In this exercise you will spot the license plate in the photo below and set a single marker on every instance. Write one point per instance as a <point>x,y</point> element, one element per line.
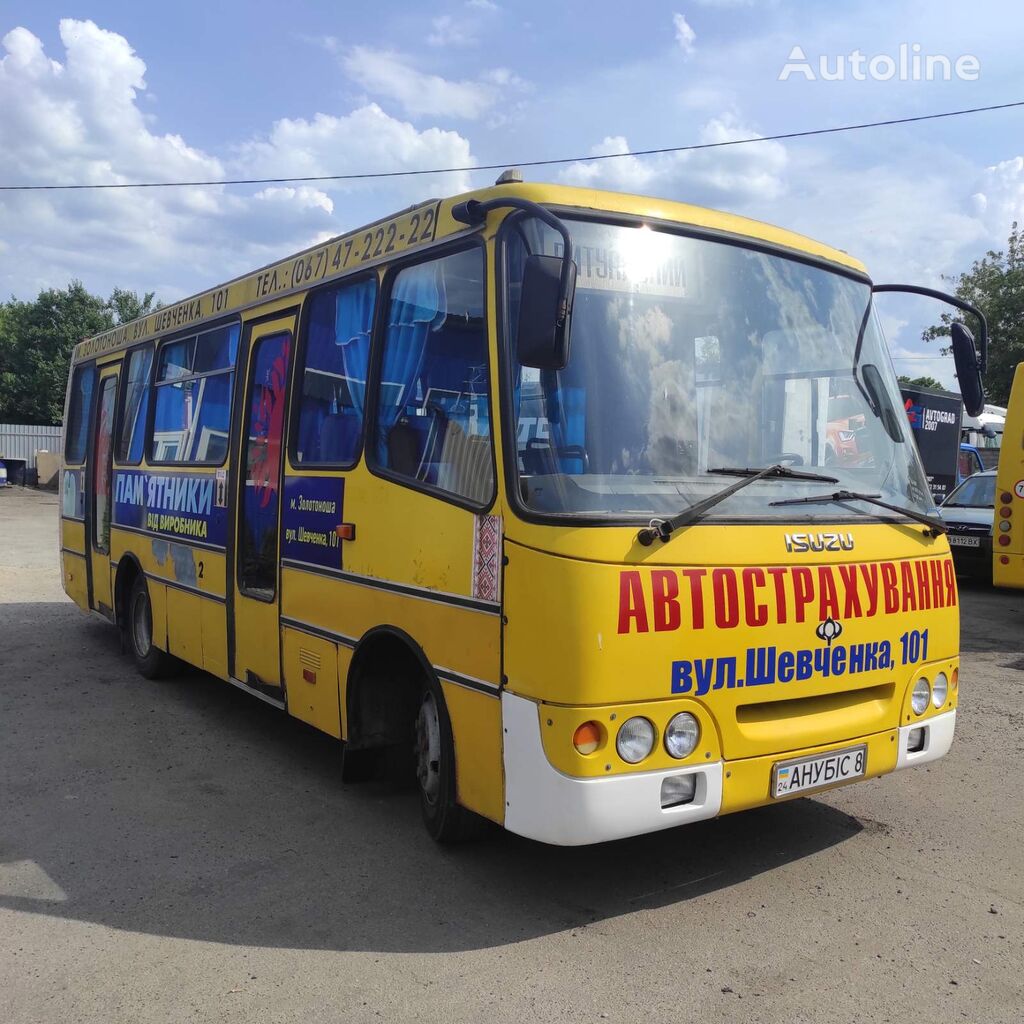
<point>818,771</point>
<point>964,542</point>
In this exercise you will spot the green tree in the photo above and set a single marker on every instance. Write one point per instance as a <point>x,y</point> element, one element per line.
<point>920,382</point>
<point>125,305</point>
<point>995,284</point>
<point>36,339</point>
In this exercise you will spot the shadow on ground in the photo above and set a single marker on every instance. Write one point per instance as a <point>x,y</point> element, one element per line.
<point>187,808</point>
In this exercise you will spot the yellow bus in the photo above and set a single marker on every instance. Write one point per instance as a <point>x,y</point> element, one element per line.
<point>1007,542</point>
<point>598,514</point>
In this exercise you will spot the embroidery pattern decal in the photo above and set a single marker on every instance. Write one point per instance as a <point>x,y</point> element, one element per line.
<point>487,558</point>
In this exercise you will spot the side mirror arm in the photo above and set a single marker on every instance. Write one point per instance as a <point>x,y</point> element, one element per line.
<point>951,300</point>
<point>474,212</point>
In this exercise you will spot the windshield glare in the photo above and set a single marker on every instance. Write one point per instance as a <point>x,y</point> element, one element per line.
<point>689,355</point>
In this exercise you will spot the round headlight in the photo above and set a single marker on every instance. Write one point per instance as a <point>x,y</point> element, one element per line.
<point>920,697</point>
<point>635,740</point>
<point>682,734</point>
<point>939,689</point>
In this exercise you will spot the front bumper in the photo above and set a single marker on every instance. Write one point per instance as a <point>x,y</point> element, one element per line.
<point>545,804</point>
<point>938,738</point>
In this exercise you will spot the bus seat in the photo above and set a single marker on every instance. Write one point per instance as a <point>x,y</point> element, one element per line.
<point>339,436</point>
<point>465,464</point>
<point>404,446</point>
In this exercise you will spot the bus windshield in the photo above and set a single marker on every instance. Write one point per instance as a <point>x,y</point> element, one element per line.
<point>689,355</point>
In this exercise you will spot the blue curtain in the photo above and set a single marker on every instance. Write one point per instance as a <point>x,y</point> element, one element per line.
<point>417,304</point>
<point>353,322</point>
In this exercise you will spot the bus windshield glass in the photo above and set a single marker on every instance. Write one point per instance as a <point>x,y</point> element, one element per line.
<point>689,355</point>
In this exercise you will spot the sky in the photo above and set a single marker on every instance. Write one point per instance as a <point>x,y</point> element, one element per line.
<point>108,90</point>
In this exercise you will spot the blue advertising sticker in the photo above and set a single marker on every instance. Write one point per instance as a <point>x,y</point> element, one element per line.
<point>188,506</point>
<point>312,508</point>
<point>73,495</point>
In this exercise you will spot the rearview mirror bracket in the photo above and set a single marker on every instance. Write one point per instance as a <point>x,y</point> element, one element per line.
<point>971,362</point>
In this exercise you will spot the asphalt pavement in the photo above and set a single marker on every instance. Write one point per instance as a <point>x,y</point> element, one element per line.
<point>177,851</point>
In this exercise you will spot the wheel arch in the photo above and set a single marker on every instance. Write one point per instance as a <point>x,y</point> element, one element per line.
<point>129,569</point>
<point>383,687</point>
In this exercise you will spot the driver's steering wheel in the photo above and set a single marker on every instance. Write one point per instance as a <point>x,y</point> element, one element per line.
<point>792,457</point>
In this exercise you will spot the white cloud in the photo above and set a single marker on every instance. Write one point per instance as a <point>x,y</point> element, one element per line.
<point>79,120</point>
<point>446,31</point>
<point>367,139</point>
<point>483,5</point>
<point>731,175</point>
<point>685,36</point>
<point>301,197</point>
<point>390,74</point>
<point>999,200</point>
<point>84,110</point>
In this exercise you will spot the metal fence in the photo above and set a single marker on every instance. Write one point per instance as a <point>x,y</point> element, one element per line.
<point>18,441</point>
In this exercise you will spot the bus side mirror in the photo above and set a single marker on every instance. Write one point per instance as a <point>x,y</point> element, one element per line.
<point>968,370</point>
<point>545,312</point>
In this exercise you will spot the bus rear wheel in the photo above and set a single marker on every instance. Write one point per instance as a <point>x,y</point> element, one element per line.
<point>434,749</point>
<point>152,662</point>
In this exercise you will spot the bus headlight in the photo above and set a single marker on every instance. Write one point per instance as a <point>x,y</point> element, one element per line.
<point>682,735</point>
<point>920,697</point>
<point>939,690</point>
<point>635,740</point>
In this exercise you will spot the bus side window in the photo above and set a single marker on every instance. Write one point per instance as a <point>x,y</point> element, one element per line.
<point>134,406</point>
<point>76,431</point>
<point>433,410</point>
<point>193,398</point>
<point>335,354</point>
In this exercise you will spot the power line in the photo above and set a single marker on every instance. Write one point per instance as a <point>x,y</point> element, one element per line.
<point>521,163</point>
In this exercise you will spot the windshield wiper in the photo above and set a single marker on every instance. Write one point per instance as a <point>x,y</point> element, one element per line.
<point>661,529</point>
<point>937,525</point>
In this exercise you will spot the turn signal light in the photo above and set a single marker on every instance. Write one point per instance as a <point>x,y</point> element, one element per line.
<point>1006,511</point>
<point>1006,496</point>
<point>955,678</point>
<point>587,737</point>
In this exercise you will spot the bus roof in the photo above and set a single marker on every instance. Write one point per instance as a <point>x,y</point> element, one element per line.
<point>417,226</point>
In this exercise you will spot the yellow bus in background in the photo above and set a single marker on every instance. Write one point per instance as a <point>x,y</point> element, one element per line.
<point>1007,540</point>
<point>535,490</point>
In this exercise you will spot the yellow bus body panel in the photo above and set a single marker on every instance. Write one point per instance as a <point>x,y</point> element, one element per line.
<point>459,639</point>
<point>195,621</point>
<point>311,677</point>
<point>76,583</point>
<point>585,634</point>
<point>1010,481</point>
<point>476,726</point>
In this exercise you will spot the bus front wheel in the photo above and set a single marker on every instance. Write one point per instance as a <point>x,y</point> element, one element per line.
<point>149,659</point>
<point>446,820</point>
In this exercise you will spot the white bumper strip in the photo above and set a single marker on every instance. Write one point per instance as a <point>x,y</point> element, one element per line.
<point>544,804</point>
<point>938,738</point>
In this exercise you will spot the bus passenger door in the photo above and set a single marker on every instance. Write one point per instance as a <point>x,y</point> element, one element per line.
<point>99,491</point>
<point>255,635</point>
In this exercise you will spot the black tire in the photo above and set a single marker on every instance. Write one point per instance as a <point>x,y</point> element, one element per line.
<point>434,747</point>
<point>152,662</point>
